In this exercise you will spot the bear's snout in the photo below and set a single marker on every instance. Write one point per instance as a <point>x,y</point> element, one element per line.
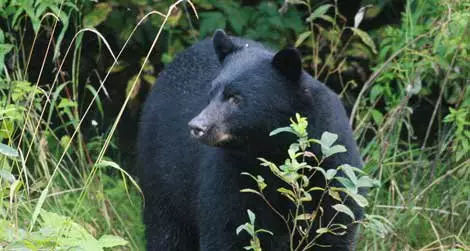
<point>197,129</point>
<point>208,133</point>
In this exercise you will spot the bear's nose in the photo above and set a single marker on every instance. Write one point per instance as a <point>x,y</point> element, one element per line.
<point>196,129</point>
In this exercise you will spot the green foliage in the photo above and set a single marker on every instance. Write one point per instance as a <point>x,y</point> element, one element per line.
<point>438,58</point>
<point>97,16</point>
<point>461,119</point>
<point>261,22</point>
<point>33,12</point>
<point>51,196</point>
<point>249,227</point>
<point>416,111</point>
<point>329,50</point>
<point>4,50</point>
<point>296,173</point>
<point>56,232</point>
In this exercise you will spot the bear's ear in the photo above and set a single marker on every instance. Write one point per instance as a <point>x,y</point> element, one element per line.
<point>289,63</point>
<point>223,45</point>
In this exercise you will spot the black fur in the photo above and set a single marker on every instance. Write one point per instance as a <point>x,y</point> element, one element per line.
<point>192,190</point>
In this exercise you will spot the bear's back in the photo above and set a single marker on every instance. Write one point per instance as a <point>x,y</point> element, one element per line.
<point>178,94</point>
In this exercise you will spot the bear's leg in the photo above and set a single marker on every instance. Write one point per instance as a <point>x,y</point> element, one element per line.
<point>165,231</point>
<point>218,229</point>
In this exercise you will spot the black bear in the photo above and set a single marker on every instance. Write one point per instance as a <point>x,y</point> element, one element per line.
<point>206,120</point>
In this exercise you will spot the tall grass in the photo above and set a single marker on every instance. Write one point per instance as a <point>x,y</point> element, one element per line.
<point>424,167</point>
<point>54,168</point>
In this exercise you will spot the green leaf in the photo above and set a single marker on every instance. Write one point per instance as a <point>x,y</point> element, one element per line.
<point>321,170</point>
<point>259,181</point>
<point>250,175</point>
<point>209,21</point>
<point>327,152</point>
<point>302,38</point>
<point>360,15</point>
<point>150,79</point>
<point>336,229</point>
<point>366,181</point>
<point>251,216</point>
<point>76,235</point>
<point>109,241</point>
<point>64,18</point>
<point>319,12</point>
<point>264,231</point>
<point>316,189</point>
<point>8,150</point>
<point>360,200</point>
<point>64,141</point>
<point>296,2</point>
<point>249,190</point>
<point>365,39</point>
<point>93,92</point>
<point>240,228</point>
<point>34,19</point>
<point>334,194</point>
<point>98,15</point>
<point>293,149</point>
<point>37,208</point>
<point>328,19</point>
<point>328,138</point>
<point>239,18</point>
<point>282,129</point>
<point>303,217</point>
<point>66,103</point>
<point>272,166</point>
<point>306,196</point>
<point>330,174</point>
<point>348,170</point>
<point>377,116</point>
<point>135,89</point>
<point>344,209</point>
<point>376,91</point>
<point>288,193</point>
<point>348,184</point>
<point>6,175</point>
<point>4,50</point>
<point>322,230</point>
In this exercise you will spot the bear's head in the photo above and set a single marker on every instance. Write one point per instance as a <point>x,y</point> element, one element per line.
<point>255,92</point>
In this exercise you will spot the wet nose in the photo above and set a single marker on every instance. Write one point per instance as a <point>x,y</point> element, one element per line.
<point>197,129</point>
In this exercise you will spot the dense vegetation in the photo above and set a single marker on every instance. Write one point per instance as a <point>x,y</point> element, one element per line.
<point>73,76</point>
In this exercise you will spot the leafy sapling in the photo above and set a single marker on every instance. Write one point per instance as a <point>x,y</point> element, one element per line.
<point>305,223</point>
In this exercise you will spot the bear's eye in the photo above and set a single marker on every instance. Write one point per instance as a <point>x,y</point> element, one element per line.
<point>234,99</point>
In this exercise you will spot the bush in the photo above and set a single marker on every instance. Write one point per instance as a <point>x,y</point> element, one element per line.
<point>296,173</point>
